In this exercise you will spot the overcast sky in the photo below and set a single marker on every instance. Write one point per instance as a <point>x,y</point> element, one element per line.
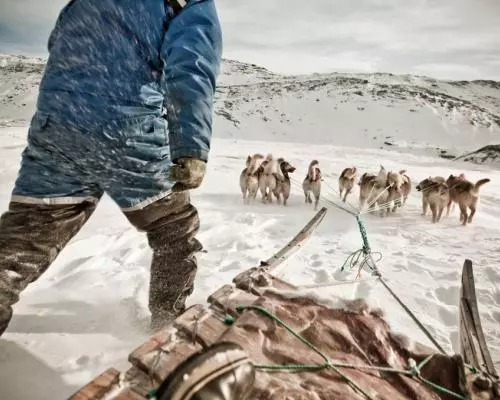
<point>455,39</point>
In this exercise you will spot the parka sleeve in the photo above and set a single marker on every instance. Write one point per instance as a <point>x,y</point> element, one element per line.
<point>191,52</point>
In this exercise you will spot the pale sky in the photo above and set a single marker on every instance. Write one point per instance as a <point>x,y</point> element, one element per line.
<point>450,39</point>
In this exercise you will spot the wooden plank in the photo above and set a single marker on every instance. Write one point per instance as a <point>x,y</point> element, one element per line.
<point>228,297</point>
<point>295,244</point>
<point>256,281</point>
<point>144,356</point>
<point>139,381</point>
<point>201,325</point>
<point>99,386</point>
<point>252,280</point>
<point>171,357</point>
<point>473,345</point>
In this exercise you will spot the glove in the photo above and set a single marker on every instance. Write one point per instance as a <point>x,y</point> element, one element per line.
<point>187,173</point>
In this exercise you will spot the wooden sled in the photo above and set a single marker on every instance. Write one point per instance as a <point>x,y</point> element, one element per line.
<point>352,334</point>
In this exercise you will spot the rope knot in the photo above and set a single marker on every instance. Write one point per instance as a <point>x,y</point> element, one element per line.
<point>413,368</point>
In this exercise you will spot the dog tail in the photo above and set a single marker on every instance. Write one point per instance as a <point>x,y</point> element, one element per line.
<point>480,183</point>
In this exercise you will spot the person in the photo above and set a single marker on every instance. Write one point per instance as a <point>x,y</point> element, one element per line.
<point>124,108</point>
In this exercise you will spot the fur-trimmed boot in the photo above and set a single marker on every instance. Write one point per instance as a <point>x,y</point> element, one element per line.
<point>171,225</point>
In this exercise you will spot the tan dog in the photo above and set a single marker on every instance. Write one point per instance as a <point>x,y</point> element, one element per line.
<point>435,194</point>
<point>312,183</point>
<point>283,186</point>
<point>399,188</point>
<point>249,177</point>
<point>374,189</point>
<point>465,194</point>
<point>270,175</point>
<point>346,182</point>
<point>406,188</point>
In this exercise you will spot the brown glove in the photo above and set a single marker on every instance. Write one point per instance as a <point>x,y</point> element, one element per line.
<point>187,173</point>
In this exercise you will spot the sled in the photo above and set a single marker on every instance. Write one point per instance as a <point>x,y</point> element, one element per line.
<point>343,351</point>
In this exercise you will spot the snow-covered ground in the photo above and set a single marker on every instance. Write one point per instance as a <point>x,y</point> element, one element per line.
<point>89,310</point>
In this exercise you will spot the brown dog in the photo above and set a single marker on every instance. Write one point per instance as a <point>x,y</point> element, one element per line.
<point>465,194</point>
<point>435,194</point>
<point>346,182</point>
<point>375,190</point>
<point>312,183</point>
<point>249,177</point>
<point>269,176</point>
<point>399,188</point>
<point>282,187</point>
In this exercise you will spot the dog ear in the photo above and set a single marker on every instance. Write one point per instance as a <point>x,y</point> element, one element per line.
<point>249,159</point>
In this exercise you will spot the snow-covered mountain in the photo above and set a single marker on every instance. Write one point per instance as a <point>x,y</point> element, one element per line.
<point>374,110</point>
<point>87,312</point>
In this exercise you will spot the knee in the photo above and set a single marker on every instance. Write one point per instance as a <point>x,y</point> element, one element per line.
<point>167,221</point>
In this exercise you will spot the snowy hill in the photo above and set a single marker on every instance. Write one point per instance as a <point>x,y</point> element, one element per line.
<point>378,110</point>
<point>88,311</point>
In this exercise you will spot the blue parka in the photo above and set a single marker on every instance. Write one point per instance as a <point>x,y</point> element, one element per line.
<point>111,61</point>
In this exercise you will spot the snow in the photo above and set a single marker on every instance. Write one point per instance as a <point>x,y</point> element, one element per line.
<point>89,310</point>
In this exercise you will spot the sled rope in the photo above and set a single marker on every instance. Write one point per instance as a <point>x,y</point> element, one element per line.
<point>410,313</point>
<point>370,262</point>
<point>412,371</point>
<point>365,255</point>
<point>326,364</point>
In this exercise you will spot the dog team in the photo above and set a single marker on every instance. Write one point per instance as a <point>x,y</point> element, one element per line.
<point>384,191</point>
<point>271,177</point>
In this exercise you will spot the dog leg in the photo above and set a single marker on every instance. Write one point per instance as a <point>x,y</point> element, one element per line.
<point>440,212</point>
<point>463,213</point>
<point>278,198</point>
<point>425,204</point>
<point>381,211</point>
<point>448,207</point>
<point>434,212</point>
<point>316,201</point>
<point>397,203</point>
<point>362,201</point>
<point>253,195</point>
<point>472,212</point>
<point>347,191</point>
<point>285,200</point>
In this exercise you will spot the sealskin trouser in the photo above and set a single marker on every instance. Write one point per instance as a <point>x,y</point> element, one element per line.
<point>33,235</point>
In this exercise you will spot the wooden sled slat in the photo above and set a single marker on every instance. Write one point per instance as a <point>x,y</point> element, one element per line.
<point>99,386</point>
<point>473,347</point>
<point>295,244</point>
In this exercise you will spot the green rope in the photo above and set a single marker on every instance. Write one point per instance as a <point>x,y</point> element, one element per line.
<point>326,364</point>
<point>366,246</point>
<point>352,259</point>
<point>413,371</point>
